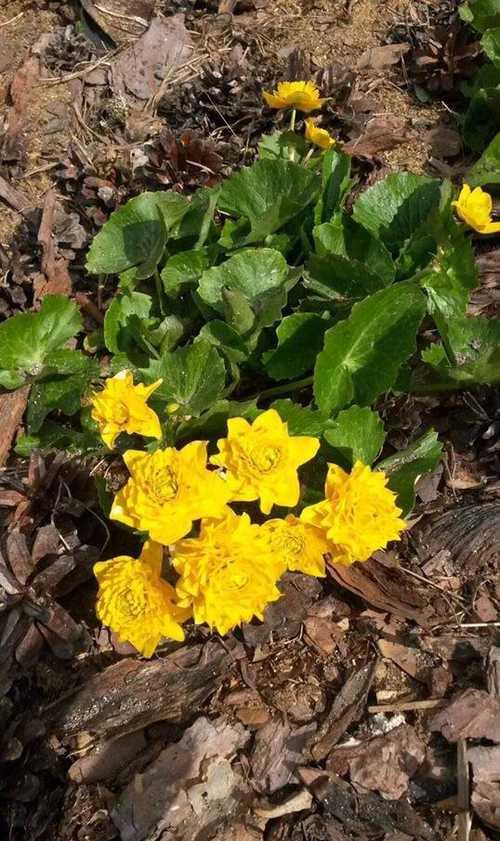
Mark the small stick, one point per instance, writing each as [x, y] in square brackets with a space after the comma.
[408, 706]
[55, 80]
[464, 821]
[131, 18]
[12, 20]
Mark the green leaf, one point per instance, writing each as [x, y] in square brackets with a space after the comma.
[61, 393]
[268, 194]
[281, 143]
[183, 270]
[347, 238]
[357, 435]
[363, 354]
[54, 436]
[487, 169]
[26, 340]
[451, 277]
[213, 423]
[482, 119]
[333, 276]
[490, 43]
[193, 377]
[336, 183]
[474, 345]
[300, 339]
[118, 336]
[301, 420]
[222, 336]
[395, 208]
[481, 14]
[133, 236]
[405, 467]
[253, 281]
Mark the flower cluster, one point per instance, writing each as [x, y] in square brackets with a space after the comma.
[304, 97]
[227, 567]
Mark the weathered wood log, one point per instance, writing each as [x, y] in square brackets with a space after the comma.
[132, 694]
[470, 533]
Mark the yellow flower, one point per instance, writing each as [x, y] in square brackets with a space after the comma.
[225, 573]
[296, 545]
[168, 489]
[136, 603]
[121, 407]
[319, 136]
[304, 96]
[475, 208]
[359, 514]
[261, 460]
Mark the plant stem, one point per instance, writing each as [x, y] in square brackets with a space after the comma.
[285, 388]
[159, 291]
[292, 128]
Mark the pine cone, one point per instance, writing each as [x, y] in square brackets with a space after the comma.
[448, 56]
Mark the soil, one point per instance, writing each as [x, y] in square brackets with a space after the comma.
[252, 725]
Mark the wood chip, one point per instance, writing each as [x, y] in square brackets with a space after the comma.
[12, 408]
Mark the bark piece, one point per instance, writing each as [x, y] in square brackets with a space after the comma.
[277, 753]
[390, 590]
[410, 660]
[190, 786]
[486, 803]
[55, 268]
[473, 714]
[107, 758]
[493, 672]
[347, 708]
[366, 815]
[283, 619]
[384, 763]
[12, 407]
[471, 533]
[132, 694]
[485, 763]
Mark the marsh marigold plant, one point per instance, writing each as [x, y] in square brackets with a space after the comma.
[261, 460]
[136, 602]
[168, 490]
[303, 96]
[317, 135]
[227, 574]
[358, 515]
[122, 406]
[475, 208]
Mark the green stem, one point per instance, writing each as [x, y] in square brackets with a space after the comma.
[292, 128]
[285, 388]
[159, 291]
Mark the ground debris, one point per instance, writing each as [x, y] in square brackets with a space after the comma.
[473, 714]
[347, 708]
[363, 815]
[384, 763]
[191, 788]
[278, 752]
[131, 694]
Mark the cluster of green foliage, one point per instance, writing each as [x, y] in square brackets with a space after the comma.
[267, 286]
[481, 122]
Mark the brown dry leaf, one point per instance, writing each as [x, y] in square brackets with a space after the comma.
[12, 408]
[390, 590]
[485, 609]
[348, 707]
[380, 58]
[155, 56]
[55, 268]
[445, 142]
[381, 134]
[190, 787]
[473, 714]
[384, 763]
